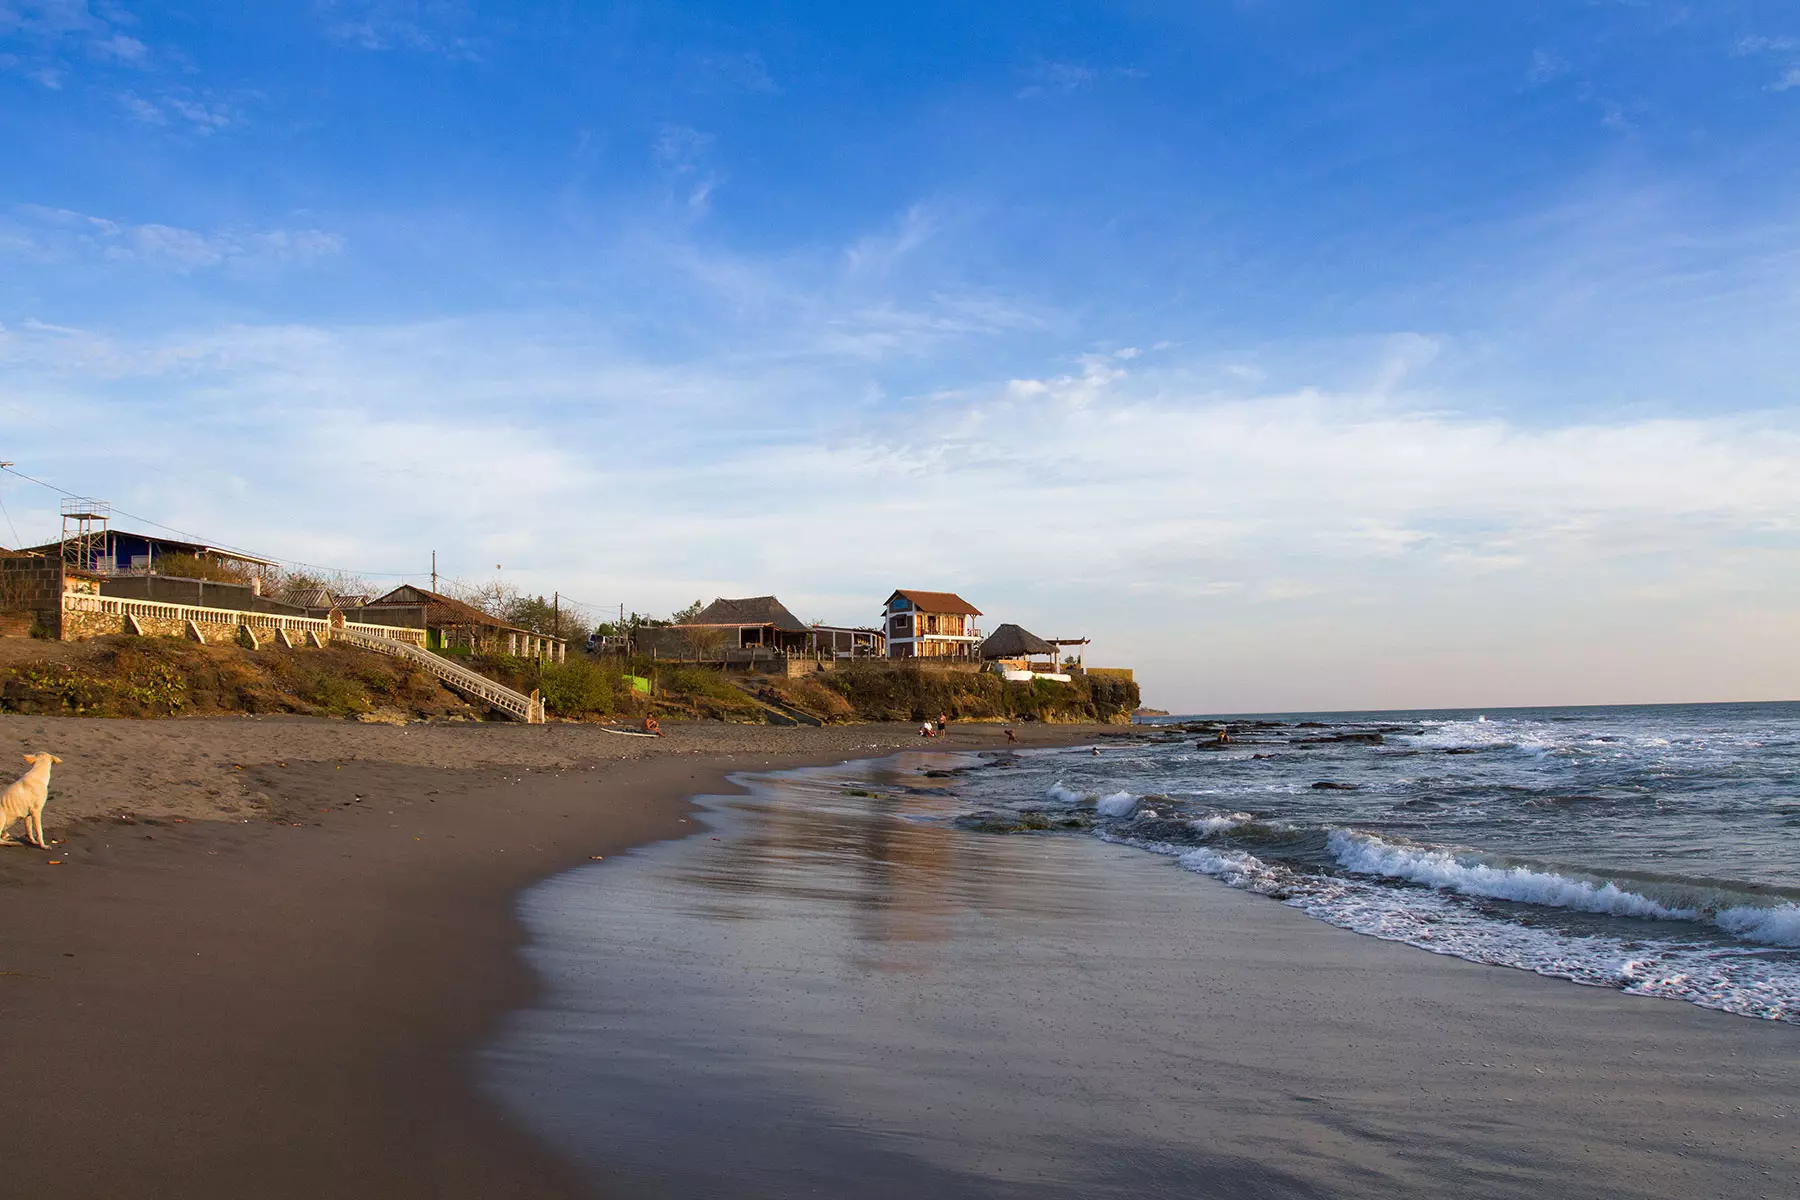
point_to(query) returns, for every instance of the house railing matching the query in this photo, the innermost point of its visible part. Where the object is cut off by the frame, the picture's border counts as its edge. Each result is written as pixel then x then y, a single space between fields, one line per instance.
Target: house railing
pixel 398 633
pixel 121 607
pixel 529 709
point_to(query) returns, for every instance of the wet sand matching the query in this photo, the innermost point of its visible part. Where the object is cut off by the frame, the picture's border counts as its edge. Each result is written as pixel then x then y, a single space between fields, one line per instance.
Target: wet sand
pixel 833 995
pixel 269 945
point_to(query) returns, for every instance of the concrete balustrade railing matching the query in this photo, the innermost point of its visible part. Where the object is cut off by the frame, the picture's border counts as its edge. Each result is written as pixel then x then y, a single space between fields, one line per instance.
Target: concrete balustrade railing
pixel 529 709
pixel 174 618
pixel 87 615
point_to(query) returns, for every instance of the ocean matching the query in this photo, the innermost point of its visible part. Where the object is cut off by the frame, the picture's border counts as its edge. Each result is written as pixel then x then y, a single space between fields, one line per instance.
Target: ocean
pixel 1651 849
pixel 1175 968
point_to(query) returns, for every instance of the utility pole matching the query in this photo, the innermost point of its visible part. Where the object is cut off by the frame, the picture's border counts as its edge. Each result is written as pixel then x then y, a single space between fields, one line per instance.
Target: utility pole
pixel 434 570
pixel 555 610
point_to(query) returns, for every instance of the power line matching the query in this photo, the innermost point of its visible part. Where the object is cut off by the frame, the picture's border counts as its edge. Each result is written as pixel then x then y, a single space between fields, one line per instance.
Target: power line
pixel 7 515
pixel 194 537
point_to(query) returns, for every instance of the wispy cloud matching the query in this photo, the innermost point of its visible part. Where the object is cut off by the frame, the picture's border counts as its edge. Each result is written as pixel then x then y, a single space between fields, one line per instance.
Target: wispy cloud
pixel 1544 67
pixel 46 33
pixel 1278 514
pixel 681 152
pixel 1781 46
pixel 58 234
pixel 199 112
pixel 428 26
pixel 741 72
pixel 1047 77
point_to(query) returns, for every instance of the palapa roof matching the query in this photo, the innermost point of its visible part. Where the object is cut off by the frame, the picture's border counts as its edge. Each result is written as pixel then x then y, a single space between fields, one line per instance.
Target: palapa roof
pixel 1010 641
pixel 937 602
pixel 751 610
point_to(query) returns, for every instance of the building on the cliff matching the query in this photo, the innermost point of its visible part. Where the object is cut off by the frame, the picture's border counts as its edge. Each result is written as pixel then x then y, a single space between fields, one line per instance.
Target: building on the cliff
pixel 761 625
pixel 848 641
pixel 937 625
pixel 106 551
pixel 1018 654
pixel 453 625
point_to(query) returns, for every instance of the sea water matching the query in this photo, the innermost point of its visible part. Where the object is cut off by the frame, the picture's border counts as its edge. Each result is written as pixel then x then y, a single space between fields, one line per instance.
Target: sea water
pixel 847 982
pixel 1651 849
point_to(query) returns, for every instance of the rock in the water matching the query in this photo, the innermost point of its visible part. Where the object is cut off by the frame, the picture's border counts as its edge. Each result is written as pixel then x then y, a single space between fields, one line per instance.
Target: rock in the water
pixel 1325 785
pixel 1029 821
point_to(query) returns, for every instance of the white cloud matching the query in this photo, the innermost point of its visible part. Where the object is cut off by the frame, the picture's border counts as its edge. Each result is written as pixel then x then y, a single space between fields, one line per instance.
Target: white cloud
pixel 1783 46
pixel 119 46
pixel 744 72
pixel 680 148
pixel 60 234
pixel 1241 547
pixel 1047 77
pixel 200 112
pixel 1545 66
pixel 429 26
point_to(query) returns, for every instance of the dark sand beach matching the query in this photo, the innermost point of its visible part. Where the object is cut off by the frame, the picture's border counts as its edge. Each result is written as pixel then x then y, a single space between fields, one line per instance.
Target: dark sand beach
pixel 247 978
pixel 835 994
pixel 270 946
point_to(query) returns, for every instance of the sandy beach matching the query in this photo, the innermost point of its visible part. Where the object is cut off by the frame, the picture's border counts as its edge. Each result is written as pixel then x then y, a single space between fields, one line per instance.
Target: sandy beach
pixel 268 946
pixel 273 953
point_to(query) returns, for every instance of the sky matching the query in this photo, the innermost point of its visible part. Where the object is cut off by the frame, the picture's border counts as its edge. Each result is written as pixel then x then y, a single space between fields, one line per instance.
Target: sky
pixel 1303 355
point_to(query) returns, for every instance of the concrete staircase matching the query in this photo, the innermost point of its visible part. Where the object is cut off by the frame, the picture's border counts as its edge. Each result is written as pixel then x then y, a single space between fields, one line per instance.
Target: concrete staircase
pixel 458 678
pixel 775 712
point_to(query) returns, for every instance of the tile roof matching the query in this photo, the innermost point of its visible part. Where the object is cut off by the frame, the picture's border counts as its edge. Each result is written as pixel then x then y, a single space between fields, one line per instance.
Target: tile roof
pixel 938 602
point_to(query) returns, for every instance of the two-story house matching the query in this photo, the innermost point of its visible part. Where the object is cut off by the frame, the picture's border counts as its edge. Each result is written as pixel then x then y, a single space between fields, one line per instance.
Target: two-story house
pixel 930 625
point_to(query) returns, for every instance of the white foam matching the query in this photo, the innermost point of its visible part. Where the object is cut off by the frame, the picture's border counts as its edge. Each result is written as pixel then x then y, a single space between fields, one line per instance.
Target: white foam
pixel 1777 926
pixel 1234 867
pixel 1440 869
pixel 1063 795
pixel 1220 822
pixel 1744 984
pixel 1117 804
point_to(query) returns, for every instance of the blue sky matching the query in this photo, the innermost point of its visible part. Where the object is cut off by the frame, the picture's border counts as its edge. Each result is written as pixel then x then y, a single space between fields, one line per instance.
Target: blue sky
pixel 1303 354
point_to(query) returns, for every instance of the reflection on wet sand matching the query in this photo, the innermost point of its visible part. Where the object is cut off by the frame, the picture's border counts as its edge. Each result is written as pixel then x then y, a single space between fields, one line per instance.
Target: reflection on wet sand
pixel 898 882
pixel 831 992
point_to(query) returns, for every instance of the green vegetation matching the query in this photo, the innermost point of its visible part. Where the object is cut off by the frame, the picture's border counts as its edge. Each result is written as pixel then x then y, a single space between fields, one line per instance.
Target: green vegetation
pixel 896 692
pixel 153 677
pixel 159 677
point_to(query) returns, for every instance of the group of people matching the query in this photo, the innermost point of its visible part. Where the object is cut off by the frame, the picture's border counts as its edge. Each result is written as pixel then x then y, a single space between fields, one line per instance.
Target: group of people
pixel 939 730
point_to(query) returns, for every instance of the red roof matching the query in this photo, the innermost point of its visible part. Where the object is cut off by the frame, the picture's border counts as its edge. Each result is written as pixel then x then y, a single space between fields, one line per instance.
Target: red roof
pixel 937 602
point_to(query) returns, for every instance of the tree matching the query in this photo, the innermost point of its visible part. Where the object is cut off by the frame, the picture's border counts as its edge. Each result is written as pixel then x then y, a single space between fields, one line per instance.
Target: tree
pixel 683 616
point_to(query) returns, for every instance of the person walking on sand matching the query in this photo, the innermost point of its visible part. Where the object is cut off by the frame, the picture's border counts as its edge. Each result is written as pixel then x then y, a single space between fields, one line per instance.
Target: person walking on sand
pixel 943 722
pixel 1011 736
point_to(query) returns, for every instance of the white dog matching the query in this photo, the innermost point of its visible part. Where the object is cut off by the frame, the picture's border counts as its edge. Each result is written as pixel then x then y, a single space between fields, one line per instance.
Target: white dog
pixel 26 799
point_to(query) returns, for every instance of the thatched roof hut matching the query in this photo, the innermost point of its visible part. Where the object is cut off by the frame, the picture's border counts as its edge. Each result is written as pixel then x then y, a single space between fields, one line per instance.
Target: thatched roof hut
pixel 1012 641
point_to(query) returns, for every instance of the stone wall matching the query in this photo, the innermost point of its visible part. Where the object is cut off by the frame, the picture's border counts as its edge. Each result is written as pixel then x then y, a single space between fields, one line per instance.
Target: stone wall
pixel 34 585
pixel 78 626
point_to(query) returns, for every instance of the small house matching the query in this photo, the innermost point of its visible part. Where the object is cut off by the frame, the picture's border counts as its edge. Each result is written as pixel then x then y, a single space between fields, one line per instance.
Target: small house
pixel 846 641
pixel 930 625
pixel 1015 653
pixel 121 552
pixel 761 624
pixel 451 624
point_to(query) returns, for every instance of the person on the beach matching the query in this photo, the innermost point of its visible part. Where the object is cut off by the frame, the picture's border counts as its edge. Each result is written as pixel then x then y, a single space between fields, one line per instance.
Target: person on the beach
pixel 651 725
pixel 943 722
pixel 1011 736
pixel 925 730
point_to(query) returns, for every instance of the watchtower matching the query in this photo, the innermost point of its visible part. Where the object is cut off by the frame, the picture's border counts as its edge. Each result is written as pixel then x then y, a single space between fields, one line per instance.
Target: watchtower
pixel 86 538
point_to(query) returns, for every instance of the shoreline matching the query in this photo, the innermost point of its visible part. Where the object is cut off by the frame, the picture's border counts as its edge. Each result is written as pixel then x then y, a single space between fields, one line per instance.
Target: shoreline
pixel 290 1007
pixel 840 994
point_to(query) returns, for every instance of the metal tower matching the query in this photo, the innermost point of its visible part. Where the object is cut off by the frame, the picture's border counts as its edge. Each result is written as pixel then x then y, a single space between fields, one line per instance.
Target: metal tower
pixel 86 540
